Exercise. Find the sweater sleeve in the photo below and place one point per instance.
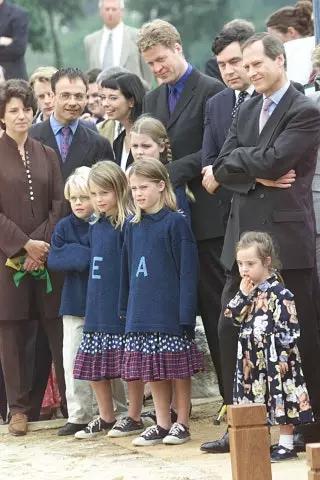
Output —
(286, 326)
(124, 276)
(186, 258)
(238, 307)
(66, 256)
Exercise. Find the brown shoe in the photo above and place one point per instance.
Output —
(18, 425)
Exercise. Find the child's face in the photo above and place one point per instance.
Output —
(103, 201)
(80, 203)
(251, 266)
(146, 194)
(143, 146)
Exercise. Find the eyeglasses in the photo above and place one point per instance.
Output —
(82, 198)
(79, 97)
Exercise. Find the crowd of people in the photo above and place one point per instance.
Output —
(127, 210)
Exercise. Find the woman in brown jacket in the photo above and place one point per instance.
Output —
(31, 202)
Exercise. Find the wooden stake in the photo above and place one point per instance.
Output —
(249, 442)
(313, 458)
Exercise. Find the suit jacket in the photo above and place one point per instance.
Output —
(185, 129)
(24, 216)
(87, 147)
(117, 148)
(289, 140)
(14, 22)
(130, 56)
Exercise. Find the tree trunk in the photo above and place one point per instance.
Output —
(56, 44)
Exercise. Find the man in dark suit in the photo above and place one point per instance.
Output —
(75, 145)
(271, 135)
(14, 23)
(220, 112)
(179, 103)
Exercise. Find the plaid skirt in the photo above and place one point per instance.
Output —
(99, 357)
(152, 357)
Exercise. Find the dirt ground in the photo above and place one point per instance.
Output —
(42, 455)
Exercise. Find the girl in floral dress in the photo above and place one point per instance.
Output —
(268, 361)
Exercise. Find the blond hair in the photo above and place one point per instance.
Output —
(77, 180)
(42, 74)
(158, 32)
(109, 176)
(157, 132)
(154, 171)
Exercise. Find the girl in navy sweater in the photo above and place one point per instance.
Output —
(100, 353)
(158, 297)
(149, 139)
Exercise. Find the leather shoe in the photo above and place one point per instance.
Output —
(71, 428)
(18, 425)
(218, 446)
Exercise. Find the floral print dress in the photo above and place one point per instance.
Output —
(268, 361)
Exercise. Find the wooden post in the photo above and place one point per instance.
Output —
(249, 442)
(313, 458)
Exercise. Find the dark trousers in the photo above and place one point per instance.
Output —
(3, 397)
(212, 280)
(15, 363)
(301, 283)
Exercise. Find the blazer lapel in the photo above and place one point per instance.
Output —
(47, 138)
(126, 42)
(279, 112)
(186, 96)
(162, 107)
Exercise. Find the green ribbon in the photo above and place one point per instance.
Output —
(37, 274)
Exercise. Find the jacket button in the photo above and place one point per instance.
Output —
(263, 222)
(261, 195)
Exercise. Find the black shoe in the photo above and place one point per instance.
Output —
(218, 446)
(150, 418)
(299, 443)
(71, 428)
(281, 454)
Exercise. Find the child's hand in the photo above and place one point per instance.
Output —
(246, 286)
(283, 368)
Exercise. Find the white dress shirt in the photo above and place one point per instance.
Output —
(250, 91)
(299, 64)
(117, 39)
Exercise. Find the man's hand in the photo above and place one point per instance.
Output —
(283, 182)
(208, 181)
(5, 41)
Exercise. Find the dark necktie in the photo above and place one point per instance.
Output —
(65, 142)
(173, 98)
(241, 99)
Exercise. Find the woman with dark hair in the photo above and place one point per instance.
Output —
(31, 202)
(122, 96)
(294, 25)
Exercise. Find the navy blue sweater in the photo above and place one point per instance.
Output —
(159, 274)
(70, 253)
(104, 279)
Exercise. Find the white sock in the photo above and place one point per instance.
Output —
(286, 441)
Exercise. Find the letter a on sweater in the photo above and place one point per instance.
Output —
(142, 268)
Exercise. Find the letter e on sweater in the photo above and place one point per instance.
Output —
(95, 268)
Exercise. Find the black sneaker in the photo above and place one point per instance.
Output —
(150, 418)
(94, 428)
(71, 428)
(126, 426)
(151, 436)
(280, 453)
(177, 435)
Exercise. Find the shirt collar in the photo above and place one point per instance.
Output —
(276, 97)
(182, 80)
(114, 30)
(249, 90)
(56, 126)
